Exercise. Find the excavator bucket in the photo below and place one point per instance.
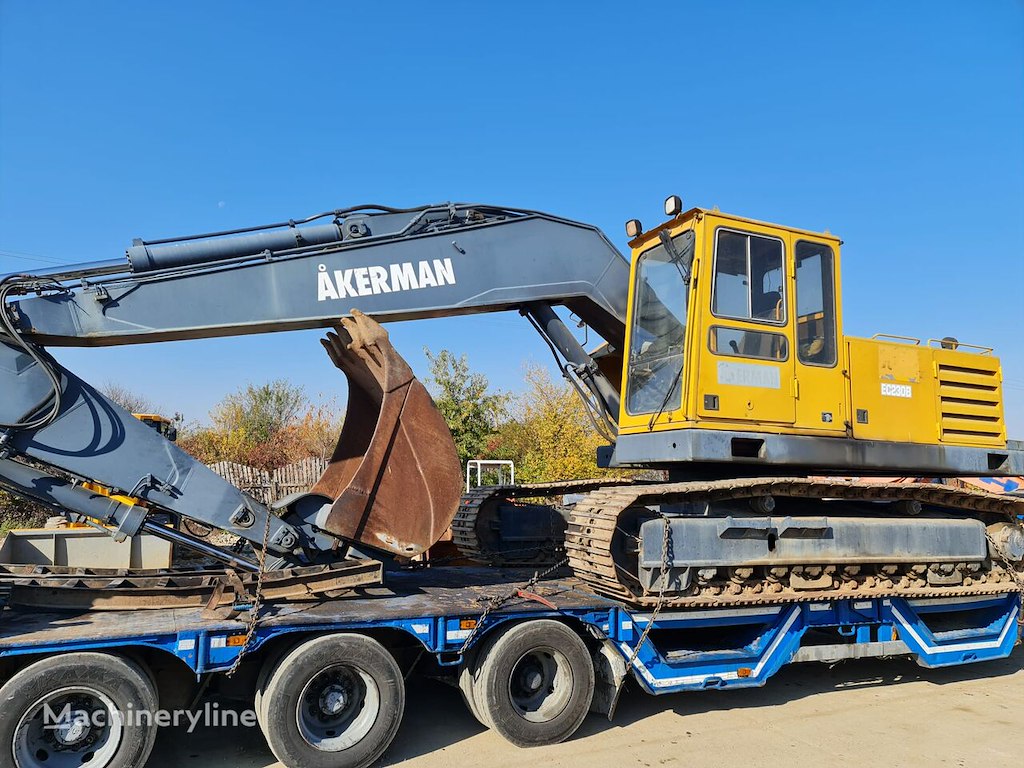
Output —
(395, 475)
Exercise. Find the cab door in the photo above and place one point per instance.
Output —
(821, 392)
(746, 368)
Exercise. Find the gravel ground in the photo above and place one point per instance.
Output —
(868, 712)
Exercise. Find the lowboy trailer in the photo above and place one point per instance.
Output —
(532, 656)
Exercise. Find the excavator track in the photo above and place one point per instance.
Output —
(98, 589)
(597, 520)
(474, 527)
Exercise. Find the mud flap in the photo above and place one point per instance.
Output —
(395, 474)
(609, 679)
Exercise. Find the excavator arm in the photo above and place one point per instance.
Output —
(393, 483)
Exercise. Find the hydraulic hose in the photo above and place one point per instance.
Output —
(7, 286)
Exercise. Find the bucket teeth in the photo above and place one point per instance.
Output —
(394, 477)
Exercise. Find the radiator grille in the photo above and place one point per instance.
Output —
(970, 404)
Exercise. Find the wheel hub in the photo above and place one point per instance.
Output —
(532, 678)
(540, 684)
(73, 729)
(333, 700)
(337, 708)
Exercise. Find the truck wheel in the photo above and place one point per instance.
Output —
(69, 711)
(335, 701)
(535, 683)
(468, 686)
(269, 665)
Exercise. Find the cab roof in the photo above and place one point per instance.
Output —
(647, 235)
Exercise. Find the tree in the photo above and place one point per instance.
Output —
(549, 436)
(319, 427)
(472, 414)
(265, 426)
(262, 411)
(131, 401)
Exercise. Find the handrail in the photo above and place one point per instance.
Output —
(911, 339)
(939, 343)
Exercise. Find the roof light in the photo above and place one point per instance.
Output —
(634, 228)
(673, 205)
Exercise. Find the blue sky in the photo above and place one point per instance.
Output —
(898, 126)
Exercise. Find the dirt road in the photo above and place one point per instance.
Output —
(890, 713)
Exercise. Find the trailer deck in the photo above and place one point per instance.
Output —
(437, 598)
(441, 609)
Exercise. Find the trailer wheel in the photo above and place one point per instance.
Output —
(468, 686)
(269, 665)
(336, 702)
(535, 683)
(70, 711)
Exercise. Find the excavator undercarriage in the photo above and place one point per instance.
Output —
(755, 540)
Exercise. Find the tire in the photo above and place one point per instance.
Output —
(467, 686)
(336, 700)
(269, 664)
(90, 684)
(535, 682)
(470, 671)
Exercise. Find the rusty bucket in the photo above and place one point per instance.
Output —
(395, 475)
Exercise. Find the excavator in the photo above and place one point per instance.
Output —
(724, 365)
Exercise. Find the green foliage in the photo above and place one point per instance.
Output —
(260, 411)
(544, 430)
(473, 415)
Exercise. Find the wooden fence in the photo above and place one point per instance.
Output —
(268, 487)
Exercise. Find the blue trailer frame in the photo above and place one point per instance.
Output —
(441, 609)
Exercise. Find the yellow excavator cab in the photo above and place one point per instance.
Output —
(736, 325)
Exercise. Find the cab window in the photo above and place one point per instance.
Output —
(749, 279)
(741, 342)
(815, 304)
(658, 332)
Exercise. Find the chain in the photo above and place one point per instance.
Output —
(493, 603)
(665, 569)
(254, 611)
(1011, 569)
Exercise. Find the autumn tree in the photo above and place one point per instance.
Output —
(473, 414)
(266, 426)
(549, 436)
(318, 429)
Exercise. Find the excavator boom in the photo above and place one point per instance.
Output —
(391, 264)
